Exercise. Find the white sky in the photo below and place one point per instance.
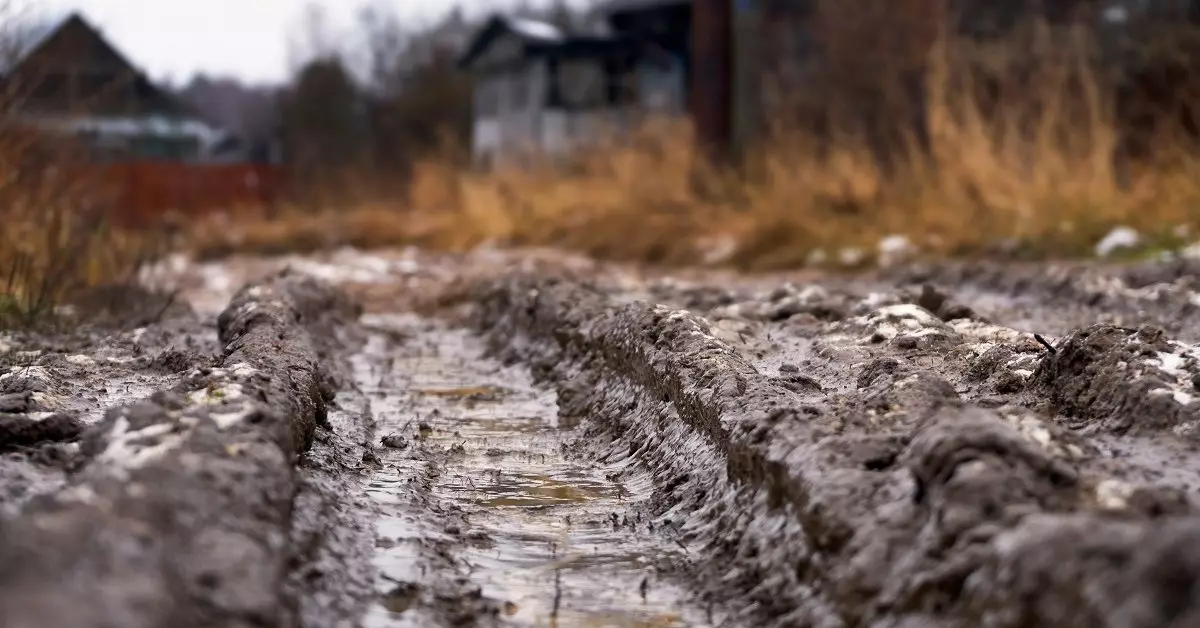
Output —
(250, 39)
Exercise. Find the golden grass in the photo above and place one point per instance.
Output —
(1041, 169)
(55, 242)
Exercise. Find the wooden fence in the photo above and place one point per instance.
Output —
(139, 194)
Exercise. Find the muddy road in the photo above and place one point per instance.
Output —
(529, 439)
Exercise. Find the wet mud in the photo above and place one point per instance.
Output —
(530, 439)
(492, 507)
(888, 458)
(177, 508)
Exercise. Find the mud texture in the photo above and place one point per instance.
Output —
(178, 510)
(528, 439)
(862, 460)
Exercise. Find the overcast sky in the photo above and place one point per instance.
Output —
(250, 39)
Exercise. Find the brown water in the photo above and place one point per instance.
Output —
(485, 494)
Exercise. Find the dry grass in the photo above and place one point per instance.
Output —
(55, 243)
(1039, 165)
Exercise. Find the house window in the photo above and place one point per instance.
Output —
(518, 89)
(582, 83)
(487, 101)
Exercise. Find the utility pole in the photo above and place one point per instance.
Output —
(726, 94)
(712, 74)
(747, 81)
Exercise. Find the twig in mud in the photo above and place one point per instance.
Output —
(557, 593)
(1042, 341)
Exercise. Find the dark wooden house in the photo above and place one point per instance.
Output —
(143, 150)
(66, 77)
(538, 87)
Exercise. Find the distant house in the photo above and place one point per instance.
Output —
(65, 77)
(540, 88)
(711, 60)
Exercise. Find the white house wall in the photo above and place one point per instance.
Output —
(511, 125)
(566, 131)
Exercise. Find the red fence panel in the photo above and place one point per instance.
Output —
(141, 193)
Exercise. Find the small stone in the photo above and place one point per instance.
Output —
(1119, 239)
(394, 441)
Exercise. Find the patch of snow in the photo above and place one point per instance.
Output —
(216, 278)
(987, 332)
(812, 294)
(1115, 14)
(1171, 363)
(257, 292)
(216, 396)
(342, 273)
(817, 257)
(45, 400)
(241, 369)
(980, 348)
(890, 321)
(80, 360)
(129, 450)
(1181, 365)
(718, 250)
(1120, 238)
(874, 301)
(895, 249)
(851, 257)
(79, 493)
(535, 29)
(38, 373)
(407, 266)
(1187, 429)
(226, 420)
(1191, 251)
(1113, 494)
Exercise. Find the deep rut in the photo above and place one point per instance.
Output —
(490, 509)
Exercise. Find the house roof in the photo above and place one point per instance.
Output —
(537, 37)
(624, 6)
(25, 38)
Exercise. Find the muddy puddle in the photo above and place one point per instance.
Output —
(482, 494)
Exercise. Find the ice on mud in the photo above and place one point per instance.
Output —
(1119, 239)
(216, 395)
(35, 373)
(226, 420)
(891, 321)
(353, 266)
(895, 249)
(1113, 494)
(132, 449)
(1182, 366)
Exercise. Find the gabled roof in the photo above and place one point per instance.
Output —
(630, 6)
(529, 32)
(28, 39)
(537, 37)
(19, 43)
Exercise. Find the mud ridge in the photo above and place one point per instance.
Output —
(180, 512)
(882, 508)
(1162, 293)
